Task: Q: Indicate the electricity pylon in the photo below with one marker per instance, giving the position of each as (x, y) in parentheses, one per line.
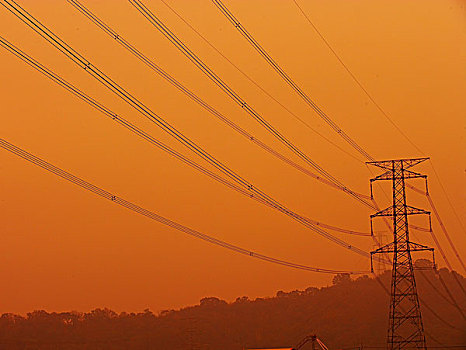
(406, 330)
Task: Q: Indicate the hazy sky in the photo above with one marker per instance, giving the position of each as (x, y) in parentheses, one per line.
(62, 248)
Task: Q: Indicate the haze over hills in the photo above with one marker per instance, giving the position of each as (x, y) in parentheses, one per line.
(345, 315)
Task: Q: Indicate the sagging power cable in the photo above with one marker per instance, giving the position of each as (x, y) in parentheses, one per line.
(154, 216)
(162, 73)
(255, 83)
(144, 135)
(355, 79)
(385, 114)
(422, 302)
(281, 72)
(159, 25)
(441, 224)
(78, 59)
(379, 107)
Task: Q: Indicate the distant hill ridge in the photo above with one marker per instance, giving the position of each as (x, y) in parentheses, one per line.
(344, 315)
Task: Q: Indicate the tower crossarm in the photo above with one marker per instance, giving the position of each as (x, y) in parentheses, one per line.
(416, 211)
(384, 212)
(409, 211)
(412, 246)
(408, 174)
(388, 248)
(416, 247)
(407, 163)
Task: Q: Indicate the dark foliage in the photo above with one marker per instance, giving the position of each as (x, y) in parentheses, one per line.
(346, 314)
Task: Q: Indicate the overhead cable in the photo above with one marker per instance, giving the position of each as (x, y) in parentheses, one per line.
(152, 215)
(444, 230)
(447, 196)
(44, 32)
(423, 303)
(159, 25)
(150, 63)
(377, 105)
(144, 135)
(254, 82)
(355, 79)
(440, 221)
(255, 44)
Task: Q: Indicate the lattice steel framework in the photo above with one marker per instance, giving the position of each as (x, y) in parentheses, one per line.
(406, 330)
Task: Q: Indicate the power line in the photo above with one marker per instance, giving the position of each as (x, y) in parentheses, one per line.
(444, 229)
(135, 208)
(356, 80)
(406, 328)
(114, 198)
(44, 32)
(440, 249)
(152, 215)
(445, 259)
(432, 311)
(254, 82)
(440, 221)
(447, 196)
(452, 301)
(451, 295)
(227, 13)
(283, 74)
(116, 37)
(147, 137)
(430, 283)
(430, 230)
(254, 43)
(434, 237)
(423, 303)
(159, 25)
(399, 290)
(378, 106)
(88, 66)
(143, 58)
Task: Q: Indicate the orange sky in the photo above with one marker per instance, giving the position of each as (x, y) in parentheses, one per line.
(62, 248)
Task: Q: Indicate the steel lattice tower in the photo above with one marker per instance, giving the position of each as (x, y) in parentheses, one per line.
(406, 330)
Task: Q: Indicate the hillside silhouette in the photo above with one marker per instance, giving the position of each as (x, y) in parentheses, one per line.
(346, 314)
